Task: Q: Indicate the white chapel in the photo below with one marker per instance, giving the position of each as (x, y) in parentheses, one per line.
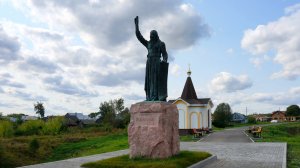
(194, 112)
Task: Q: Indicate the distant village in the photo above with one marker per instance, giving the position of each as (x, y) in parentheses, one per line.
(79, 119)
(71, 119)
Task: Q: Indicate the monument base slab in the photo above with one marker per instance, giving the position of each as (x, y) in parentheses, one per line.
(153, 130)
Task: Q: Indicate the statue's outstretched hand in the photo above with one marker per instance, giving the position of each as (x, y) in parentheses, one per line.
(136, 20)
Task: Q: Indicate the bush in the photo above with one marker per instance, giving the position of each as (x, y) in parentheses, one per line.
(251, 120)
(219, 124)
(6, 128)
(222, 115)
(31, 127)
(34, 145)
(53, 126)
(107, 127)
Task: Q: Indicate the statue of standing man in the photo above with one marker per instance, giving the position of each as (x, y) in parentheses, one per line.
(156, 69)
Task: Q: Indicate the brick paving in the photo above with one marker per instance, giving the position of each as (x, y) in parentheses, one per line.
(246, 155)
(229, 136)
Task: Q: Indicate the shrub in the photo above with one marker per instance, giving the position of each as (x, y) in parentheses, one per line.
(251, 120)
(107, 127)
(53, 126)
(31, 127)
(6, 128)
(222, 115)
(34, 145)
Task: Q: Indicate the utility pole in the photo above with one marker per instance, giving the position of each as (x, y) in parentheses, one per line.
(246, 111)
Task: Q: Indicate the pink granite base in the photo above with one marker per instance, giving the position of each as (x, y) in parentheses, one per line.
(153, 130)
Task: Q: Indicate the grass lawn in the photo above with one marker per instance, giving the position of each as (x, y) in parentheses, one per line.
(89, 147)
(286, 132)
(188, 138)
(16, 152)
(182, 160)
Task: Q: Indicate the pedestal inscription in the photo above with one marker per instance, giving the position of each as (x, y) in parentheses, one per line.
(153, 130)
(149, 119)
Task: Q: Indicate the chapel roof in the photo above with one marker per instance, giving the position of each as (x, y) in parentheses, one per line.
(188, 90)
(189, 94)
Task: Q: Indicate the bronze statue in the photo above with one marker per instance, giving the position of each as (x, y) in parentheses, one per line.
(156, 69)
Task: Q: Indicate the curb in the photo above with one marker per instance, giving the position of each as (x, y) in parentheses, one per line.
(205, 162)
(284, 156)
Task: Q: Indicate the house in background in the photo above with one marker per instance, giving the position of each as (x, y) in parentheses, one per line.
(27, 118)
(279, 116)
(262, 117)
(291, 118)
(238, 118)
(193, 112)
(79, 119)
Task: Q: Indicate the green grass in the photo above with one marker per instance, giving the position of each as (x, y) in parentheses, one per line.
(89, 147)
(182, 160)
(247, 124)
(286, 132)
(15, 151)
(188, 138)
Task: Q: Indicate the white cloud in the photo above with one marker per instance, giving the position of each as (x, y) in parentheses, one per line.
(9, 47)
(6, 79)
(286, 98)
(175, 69)
(226, 82)
(281, 37)
(109, 24)
(88, 49)
(258, 61)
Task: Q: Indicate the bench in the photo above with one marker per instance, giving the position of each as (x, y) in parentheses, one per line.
(197, 134)
(257, 133)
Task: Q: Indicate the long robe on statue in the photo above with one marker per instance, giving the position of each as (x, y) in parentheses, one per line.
(156, 70)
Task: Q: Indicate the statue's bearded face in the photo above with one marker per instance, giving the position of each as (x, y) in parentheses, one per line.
(153, 35)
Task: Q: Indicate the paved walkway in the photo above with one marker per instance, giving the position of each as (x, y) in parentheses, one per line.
(233, 148)
(228, 136)
(246, 155)
(76, 162)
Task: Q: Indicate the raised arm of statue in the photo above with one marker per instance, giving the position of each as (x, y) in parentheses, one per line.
(138, 33)
(164, 52)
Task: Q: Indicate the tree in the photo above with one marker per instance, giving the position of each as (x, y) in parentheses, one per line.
(107, 112)
(39, 109)
(251, 120)
(123, 118)
(293, 110)
(222, 115)
(114, 113)
(94, 114)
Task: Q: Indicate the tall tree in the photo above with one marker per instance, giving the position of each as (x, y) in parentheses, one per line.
(293, 110)
(222, 115)
(114, 113)
(39, 109)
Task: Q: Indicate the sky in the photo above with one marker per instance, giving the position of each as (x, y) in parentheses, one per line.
(71, 55)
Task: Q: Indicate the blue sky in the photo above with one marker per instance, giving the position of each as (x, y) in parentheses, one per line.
(72, 55)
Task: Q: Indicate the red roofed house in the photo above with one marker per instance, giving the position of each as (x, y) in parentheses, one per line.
(279, 116)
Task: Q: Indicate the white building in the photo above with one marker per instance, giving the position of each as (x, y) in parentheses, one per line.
(193, 112)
